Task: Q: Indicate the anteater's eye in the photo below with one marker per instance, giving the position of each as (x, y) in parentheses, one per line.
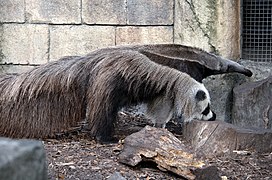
(200, 95)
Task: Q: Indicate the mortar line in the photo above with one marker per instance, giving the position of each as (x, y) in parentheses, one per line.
(115, 35)
(18, 64)
(126, 12)
(49, 43)
(116, 25)
(25, 19)
(173, 19)
(81, 12)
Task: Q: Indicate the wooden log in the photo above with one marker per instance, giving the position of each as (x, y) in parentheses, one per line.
(211, 138)
(162, 147)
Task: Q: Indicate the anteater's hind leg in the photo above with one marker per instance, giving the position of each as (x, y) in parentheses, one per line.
(102, 127)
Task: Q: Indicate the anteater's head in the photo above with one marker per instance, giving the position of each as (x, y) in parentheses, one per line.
(203, 110)
(198, 105)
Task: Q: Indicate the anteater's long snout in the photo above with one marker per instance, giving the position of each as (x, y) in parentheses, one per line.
(231, 66)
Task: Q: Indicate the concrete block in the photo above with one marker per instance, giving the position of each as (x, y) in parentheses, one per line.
(152, 12)
(14, 68)
(104, 11)
(12, 11)
(79, 40)
(55, 12)
(22, 160)
(227, 36)
(144, 35)
(190, 28)
(24, 43)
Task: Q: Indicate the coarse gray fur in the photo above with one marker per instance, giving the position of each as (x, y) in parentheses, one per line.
(161, 109)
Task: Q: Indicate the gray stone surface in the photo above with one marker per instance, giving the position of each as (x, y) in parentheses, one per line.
(104, 11)
(144, 35)
(252, 105)
(24, 43)
(227, 36)
(12, 11)
(79, 40)
(116, 176)
(220, 89)
(14, 68)
(52, 11)
(209, 24)
(22, 160)
(152, 12)
(261, 70)
(192, 20)
(216, 138)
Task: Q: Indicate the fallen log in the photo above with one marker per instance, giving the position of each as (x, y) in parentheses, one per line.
(169, 153)
(215, 138)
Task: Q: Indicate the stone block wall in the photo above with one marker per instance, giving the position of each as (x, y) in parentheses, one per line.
(38, 31)
(33, 32)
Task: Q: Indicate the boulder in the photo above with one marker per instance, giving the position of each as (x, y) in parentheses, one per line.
(22, 160)
(252, 106)
(211, 138)
(261, 70)
(220, 89)
(116, 176)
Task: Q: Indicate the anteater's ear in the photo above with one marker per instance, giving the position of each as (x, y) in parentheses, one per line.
(200, 95)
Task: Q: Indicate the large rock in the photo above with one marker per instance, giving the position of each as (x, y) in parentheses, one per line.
(261, 70)
(217, 138)
(253, 104)
(220, 88)
(22, 160)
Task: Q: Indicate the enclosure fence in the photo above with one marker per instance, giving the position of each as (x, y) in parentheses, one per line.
(257, 30)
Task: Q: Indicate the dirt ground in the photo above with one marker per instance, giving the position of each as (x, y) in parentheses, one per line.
(77, 156)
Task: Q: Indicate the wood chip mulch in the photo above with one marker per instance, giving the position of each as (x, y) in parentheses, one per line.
(77, 156)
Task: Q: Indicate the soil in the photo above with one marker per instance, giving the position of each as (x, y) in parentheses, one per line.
(75, 155)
